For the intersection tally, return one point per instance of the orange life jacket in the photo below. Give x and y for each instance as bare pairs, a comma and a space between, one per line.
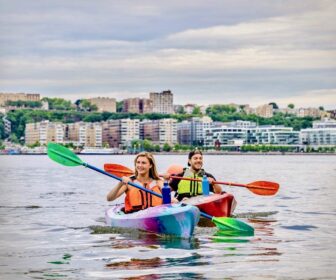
136, 199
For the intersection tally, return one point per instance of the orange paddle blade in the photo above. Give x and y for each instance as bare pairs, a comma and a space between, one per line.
175, 169
263, 187
117, 169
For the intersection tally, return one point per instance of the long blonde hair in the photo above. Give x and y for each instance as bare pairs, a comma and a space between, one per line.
152, 171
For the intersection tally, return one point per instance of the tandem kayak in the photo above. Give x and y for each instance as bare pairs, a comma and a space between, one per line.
217, 205
174, 219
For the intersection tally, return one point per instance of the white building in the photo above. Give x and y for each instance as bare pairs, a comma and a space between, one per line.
323, 133
244, 132
274, 135
226, 135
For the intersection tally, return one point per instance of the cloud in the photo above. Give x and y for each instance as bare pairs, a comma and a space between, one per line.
221, 50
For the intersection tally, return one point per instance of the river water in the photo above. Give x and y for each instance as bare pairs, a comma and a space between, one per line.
52, 223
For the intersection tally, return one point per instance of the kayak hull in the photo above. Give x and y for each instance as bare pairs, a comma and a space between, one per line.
217, 205
174, 219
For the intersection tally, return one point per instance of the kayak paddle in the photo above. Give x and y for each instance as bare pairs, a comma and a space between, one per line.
64, 156
257, 187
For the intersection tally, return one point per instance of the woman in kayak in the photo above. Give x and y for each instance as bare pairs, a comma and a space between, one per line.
147, 176
185, 189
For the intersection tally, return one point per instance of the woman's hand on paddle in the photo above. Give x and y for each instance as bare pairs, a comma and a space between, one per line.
125, 180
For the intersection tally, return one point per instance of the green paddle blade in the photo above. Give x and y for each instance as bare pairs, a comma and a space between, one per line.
232, 225
62, 155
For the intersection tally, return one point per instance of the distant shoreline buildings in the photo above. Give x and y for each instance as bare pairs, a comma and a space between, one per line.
196, 131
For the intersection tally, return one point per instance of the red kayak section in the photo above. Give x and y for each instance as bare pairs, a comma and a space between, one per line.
217, 205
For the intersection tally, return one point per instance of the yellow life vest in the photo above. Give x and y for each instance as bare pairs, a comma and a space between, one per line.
137, 199
192, 188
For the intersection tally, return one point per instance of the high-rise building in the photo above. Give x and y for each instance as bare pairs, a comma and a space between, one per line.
137, 105
104, 104
120, 133
44, 132
198, 126
85, 134
162, 102
159, 131
184, 133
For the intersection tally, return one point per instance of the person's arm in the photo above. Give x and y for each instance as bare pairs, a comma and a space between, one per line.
118, 190
215, 187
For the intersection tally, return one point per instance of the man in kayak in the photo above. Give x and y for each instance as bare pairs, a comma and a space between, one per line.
185, 189
147, 176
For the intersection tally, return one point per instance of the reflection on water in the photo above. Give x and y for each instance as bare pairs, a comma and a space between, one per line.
135, 238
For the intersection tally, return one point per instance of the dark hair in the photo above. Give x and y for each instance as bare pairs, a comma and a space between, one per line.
194, 152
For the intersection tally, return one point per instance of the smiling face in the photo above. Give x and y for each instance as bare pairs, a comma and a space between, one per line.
196, 162
142, 165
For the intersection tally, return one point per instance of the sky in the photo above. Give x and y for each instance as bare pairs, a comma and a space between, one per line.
205, 52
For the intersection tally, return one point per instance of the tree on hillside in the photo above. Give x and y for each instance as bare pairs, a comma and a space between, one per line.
120, 105
197, 110
274, 105
321, 108
58, 103
291, 106
87, 106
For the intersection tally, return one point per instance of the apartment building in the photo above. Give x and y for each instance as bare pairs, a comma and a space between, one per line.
162, 102
4, 97
104, 104
244, 132
120, 133
111, 133
274, 135
44, 132
85, 134
226, 135
138, 105
265, 111
159, 131
198, 127
184, 133
323, 133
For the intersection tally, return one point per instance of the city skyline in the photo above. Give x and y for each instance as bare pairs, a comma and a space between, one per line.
205, 53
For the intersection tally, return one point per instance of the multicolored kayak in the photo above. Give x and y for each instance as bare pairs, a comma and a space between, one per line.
217, 205
174, 219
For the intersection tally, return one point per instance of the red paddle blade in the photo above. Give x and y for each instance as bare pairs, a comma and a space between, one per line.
117, 169
263, 187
